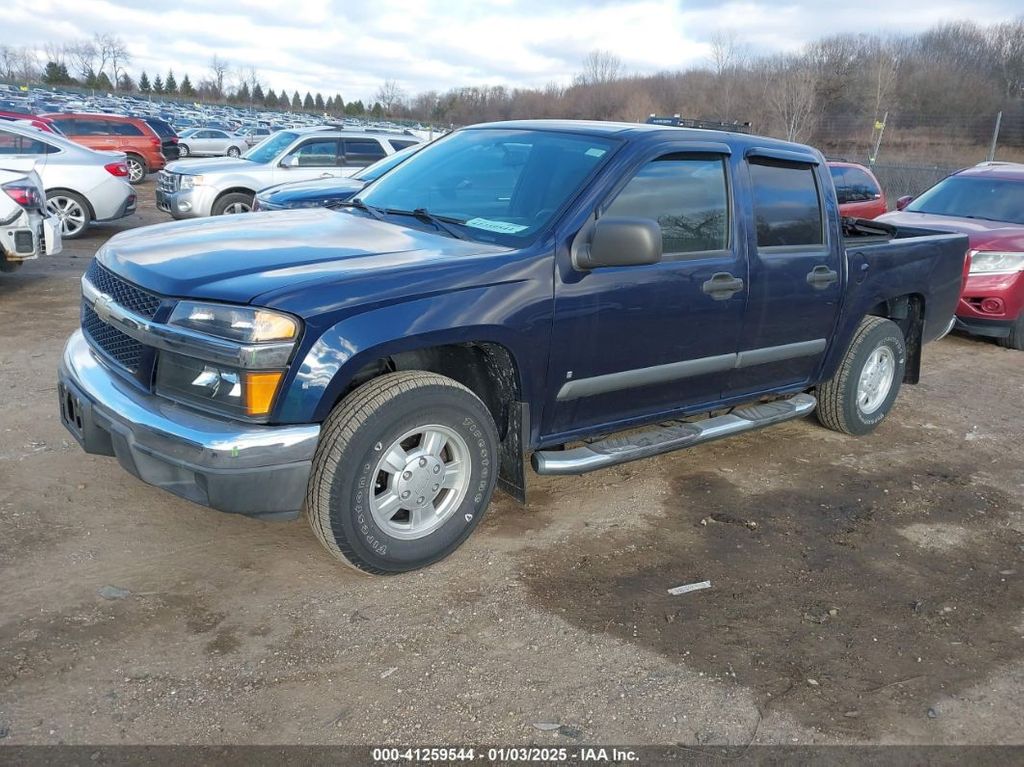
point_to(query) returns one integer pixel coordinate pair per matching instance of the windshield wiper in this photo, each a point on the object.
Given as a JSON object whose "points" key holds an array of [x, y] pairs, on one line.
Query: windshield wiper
{"points": [[444, 223], [358, 205]]}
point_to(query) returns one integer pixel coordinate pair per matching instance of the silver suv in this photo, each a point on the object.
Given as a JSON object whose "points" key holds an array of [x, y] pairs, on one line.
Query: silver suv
{"points": [[195, 188]]}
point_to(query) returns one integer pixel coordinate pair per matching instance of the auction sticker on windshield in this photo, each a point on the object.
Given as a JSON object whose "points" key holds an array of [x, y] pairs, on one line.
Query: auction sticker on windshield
{"points": [[502, 227]]}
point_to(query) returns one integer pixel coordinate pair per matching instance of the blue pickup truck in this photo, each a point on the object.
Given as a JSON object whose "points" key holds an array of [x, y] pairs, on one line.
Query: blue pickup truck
{"points": [[578, 294]]}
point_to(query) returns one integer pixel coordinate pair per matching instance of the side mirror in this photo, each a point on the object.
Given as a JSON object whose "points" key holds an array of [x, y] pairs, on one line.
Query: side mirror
{"points": [[904, 201], [292, 161], [621, 241]]}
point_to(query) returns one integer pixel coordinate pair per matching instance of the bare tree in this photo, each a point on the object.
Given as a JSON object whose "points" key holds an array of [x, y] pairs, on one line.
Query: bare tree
{"points": [[113, 56], [56, 52], [83, 55], [725, 50], [1008, 46], [884, 60], [218, 72], [390, 95], [600, 67], [790, 86], [8, 62]]}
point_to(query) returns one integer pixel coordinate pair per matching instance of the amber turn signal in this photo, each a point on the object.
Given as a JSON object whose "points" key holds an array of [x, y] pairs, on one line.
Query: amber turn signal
{"points": [[260, 389]]}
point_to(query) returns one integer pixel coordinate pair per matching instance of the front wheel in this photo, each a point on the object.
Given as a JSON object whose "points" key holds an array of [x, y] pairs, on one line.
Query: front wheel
{"points": [[183, 150], [404, 472], [863, 390], [234, 151], [1016, 338], [230, 204]]}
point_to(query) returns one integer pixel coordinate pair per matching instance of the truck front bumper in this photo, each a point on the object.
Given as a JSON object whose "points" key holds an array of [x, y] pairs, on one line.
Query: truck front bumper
{"points": [[196, 202], [227, 465]]}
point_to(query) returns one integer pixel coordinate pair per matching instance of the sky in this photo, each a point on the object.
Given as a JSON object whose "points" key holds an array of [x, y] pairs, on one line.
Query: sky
{"points": [[351, 46]]}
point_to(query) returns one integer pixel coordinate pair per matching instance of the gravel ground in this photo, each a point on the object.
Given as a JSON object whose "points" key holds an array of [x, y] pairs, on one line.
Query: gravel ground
{"points": [[863, 590]]}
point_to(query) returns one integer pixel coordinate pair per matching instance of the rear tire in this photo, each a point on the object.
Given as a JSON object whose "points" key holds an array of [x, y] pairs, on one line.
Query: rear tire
{"points": [[234, 151], [72, 210], [183, 150], [230, 204], [863, 390], [137, 169], [1016, 338], [404, 472]]}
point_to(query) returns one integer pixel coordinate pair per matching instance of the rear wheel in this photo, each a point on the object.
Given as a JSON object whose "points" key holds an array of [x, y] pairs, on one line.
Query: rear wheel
{"points": [[229, 204], [136, 169], [403, 473], [1016, 338], [234, 151], [71, 210], [863, 390]]}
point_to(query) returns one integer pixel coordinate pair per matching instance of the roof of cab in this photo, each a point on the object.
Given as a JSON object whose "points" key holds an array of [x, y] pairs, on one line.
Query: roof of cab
{"points": [[638, 130]]}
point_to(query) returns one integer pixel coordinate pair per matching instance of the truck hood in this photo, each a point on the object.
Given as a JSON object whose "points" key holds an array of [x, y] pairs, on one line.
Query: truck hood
{"points": [[983, 234], [237, 258], [195, 166]]}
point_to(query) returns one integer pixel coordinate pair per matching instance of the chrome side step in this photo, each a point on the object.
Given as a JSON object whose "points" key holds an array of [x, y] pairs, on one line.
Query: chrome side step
{"points": [[673, 435]]}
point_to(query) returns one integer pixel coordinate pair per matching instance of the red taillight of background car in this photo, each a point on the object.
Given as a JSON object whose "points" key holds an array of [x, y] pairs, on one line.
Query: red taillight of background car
{"points": [[155, 141], [119, 169], [25, 195]]}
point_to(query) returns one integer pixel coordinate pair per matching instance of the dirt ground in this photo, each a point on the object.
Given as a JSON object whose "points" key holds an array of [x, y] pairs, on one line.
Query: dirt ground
{"points": [[863, 590]]}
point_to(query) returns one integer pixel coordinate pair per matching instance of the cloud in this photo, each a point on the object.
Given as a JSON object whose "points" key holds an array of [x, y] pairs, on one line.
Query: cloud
{"points": [[337, 46]]}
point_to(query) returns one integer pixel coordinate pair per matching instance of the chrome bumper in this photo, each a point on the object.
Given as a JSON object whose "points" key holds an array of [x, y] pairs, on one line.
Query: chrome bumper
{"points": [[195, 202], [227, 465]]}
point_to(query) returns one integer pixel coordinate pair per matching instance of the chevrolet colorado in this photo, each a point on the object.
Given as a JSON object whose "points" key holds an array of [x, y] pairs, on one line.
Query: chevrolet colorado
{"points": [[582, 293]]}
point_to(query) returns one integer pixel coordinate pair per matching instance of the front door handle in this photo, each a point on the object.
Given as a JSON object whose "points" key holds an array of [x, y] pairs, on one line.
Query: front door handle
{"points": [[722, 285], [821, 277]]}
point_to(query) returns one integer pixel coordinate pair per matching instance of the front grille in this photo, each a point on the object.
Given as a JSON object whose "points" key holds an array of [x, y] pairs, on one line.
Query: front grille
{"points": [[167, 181], [124, 293], [121, 348]]}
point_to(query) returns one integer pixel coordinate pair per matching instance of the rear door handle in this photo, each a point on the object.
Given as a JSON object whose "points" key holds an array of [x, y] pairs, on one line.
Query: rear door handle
{"points": [[722, 285], [821, 276]]}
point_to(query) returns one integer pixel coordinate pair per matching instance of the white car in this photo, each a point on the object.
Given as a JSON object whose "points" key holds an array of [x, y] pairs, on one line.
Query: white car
{"points": [[82, 185], [195, 188], [26, 227], [210, 142]]}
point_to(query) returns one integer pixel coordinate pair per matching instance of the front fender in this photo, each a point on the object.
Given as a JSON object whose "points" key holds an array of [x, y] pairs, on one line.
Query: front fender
{"points": [[505, 314]]}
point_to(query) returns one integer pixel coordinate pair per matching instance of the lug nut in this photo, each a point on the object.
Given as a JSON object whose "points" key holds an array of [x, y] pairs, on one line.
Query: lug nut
{"points": [[436, 488], [405, 494], [423, 461], [406, 475], [437, 469], [420, 500]]}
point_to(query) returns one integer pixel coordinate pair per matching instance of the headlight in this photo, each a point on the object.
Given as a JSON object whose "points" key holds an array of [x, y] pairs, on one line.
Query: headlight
{"points": [[245, 324], [233, 392], [991, 262], [187, 181]]}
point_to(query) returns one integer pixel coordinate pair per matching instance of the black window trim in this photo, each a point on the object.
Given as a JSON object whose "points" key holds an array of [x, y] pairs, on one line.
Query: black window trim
{"points": [[794, 161], [689, 150]]}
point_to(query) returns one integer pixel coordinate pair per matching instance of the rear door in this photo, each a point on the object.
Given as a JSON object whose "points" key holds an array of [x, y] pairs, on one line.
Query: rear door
{"points": [[796, 274], [360, 152], [634, 342]]}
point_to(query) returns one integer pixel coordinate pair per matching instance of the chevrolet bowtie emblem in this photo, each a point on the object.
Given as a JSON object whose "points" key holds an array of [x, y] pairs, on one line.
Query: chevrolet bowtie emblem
{"points": [[102, 306]]}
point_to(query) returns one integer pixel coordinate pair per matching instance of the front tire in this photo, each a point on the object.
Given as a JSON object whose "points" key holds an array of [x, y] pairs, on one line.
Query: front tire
{"points": [[183, 150], [234, 151], [863, 390], [230, 204], [1016, 338], [404, 472]]}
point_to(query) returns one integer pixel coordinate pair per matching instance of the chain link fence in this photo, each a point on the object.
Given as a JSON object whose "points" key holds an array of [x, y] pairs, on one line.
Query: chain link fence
{"points": [[898, 180]]}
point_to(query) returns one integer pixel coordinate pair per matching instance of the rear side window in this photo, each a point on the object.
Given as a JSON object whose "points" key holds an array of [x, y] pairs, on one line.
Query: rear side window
{"points": [[125, 129], [686, 196], [787, 206], [855, 186], [12, 143], [363, 151], [398, 143], [162, 129]]}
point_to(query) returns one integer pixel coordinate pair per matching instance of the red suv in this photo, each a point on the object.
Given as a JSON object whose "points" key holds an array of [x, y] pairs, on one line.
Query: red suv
{"points": [[130, 135], [986, 203], [858, 191], [42, 123]]}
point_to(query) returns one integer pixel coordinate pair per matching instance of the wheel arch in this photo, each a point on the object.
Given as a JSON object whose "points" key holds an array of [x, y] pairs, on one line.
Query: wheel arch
{"points": [[908, 312]]}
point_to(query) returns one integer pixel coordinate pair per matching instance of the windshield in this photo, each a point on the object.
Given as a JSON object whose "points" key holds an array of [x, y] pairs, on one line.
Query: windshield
{"points": [[501, 185], [270, 147], [379, 168], [974, 197]]}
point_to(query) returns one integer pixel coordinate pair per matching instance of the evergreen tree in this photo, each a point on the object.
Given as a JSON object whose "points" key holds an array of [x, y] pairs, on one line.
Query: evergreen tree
{"points": [[378, 110], [318, 102], [270, 100], [65, 76], [170, 84], [242, 95], [283, 101], [307, 103], [257, 93], [125, 83], [329, 105], [339, 105], [103, 82], [90, 79], [158, 85], [51, 76], [187, 89], [296, 101], [144, 85]]}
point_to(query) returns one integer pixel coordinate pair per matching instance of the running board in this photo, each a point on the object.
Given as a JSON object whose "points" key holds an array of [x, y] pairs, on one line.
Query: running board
{"points": [[673, 435]]}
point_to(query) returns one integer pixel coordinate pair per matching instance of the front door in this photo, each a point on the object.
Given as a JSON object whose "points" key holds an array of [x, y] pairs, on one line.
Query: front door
{"points": [[633, 342], [796, 274]]}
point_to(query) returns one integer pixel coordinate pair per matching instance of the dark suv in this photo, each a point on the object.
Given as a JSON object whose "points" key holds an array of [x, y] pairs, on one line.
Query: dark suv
{"points": [[168, 137]]}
